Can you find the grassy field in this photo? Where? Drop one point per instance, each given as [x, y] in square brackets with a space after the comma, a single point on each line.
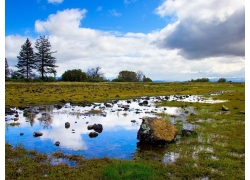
[218, 152]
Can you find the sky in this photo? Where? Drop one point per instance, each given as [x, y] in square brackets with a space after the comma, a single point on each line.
[172, 40]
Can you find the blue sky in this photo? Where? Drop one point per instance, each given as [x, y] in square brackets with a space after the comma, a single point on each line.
[119, 15]
[167, 40]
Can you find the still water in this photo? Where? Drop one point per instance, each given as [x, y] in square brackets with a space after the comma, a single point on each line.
[117, 140]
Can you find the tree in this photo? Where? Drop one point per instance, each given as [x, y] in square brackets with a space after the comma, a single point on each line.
[74, 75]
[26, 59]
[222, 80]
[95, 74]
[146, 79]
[129, 76]
[7, 70]
[44, 59]
[15, 75]
[139, 76]
[200, 80]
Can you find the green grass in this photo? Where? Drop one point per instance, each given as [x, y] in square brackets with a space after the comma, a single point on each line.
[218, 152]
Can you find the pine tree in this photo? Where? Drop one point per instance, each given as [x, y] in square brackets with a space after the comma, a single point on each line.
[7, 70]
[45, 60]
[26, 59]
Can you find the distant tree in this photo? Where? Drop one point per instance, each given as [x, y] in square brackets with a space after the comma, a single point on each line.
[222, 80]
[74, 75]
[128, 76]
[200, 80]
[146, 79]
[95, 74]
[44, 59]
[139, 75]
[16, 75]
[7, 70]
[26, 59]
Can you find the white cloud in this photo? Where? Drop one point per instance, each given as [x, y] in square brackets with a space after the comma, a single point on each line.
[208, 11]
[83, 48]
[205, 28]
[99, 8]
[129, 1]
[55, 1]
[113, 12]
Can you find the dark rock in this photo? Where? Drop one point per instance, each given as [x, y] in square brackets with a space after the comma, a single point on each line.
[93, 134]
[98, 128]
[187, 132]
[90, 127]
[57, 143]
[67, 125]
[35, 134]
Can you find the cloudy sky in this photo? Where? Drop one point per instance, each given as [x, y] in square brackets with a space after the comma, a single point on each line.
[173, 40]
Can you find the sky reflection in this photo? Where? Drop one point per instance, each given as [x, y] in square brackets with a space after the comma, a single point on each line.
[118, 138]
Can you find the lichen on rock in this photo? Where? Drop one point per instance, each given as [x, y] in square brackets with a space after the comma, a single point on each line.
[153, 130]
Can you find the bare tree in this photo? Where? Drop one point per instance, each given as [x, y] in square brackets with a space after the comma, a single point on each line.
[139, 75]
[95, 73]
[7, 70]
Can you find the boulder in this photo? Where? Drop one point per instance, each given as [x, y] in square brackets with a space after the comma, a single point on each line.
[93, 134]
[35, 134]
[67, 125]
[57, 143]
[98, 128]
[90, 127]
[156, 130]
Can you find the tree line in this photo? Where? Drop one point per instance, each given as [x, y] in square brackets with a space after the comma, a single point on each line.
[42, 62]
[31, 62]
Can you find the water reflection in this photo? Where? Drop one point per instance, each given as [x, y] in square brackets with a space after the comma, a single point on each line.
[120, 121]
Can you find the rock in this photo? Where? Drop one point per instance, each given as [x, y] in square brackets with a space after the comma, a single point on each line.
[224, 108]
[93, 134]
[90, 127]
[187, 132]
[57, 143]
[67, 125]
[37, 134]
[154, 130]
[21, 134]
[98, 128]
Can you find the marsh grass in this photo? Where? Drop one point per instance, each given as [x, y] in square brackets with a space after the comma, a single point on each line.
[217, 152]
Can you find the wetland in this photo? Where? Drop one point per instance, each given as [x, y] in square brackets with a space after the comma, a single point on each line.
[218, 152]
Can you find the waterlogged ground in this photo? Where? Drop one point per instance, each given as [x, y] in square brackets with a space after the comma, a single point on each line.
[118, 138]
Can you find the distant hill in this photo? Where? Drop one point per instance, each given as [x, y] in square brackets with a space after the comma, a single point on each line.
[229, 79]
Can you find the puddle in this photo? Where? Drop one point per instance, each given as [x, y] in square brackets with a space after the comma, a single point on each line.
[120, 121]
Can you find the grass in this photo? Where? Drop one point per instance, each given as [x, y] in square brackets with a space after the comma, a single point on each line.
[218, 152]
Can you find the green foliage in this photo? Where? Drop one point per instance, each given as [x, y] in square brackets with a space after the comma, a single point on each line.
[222, 80]
[146, 79]
[74, 75]
[26, 59]
[200, 80]
[44, 59]
[129, 76]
